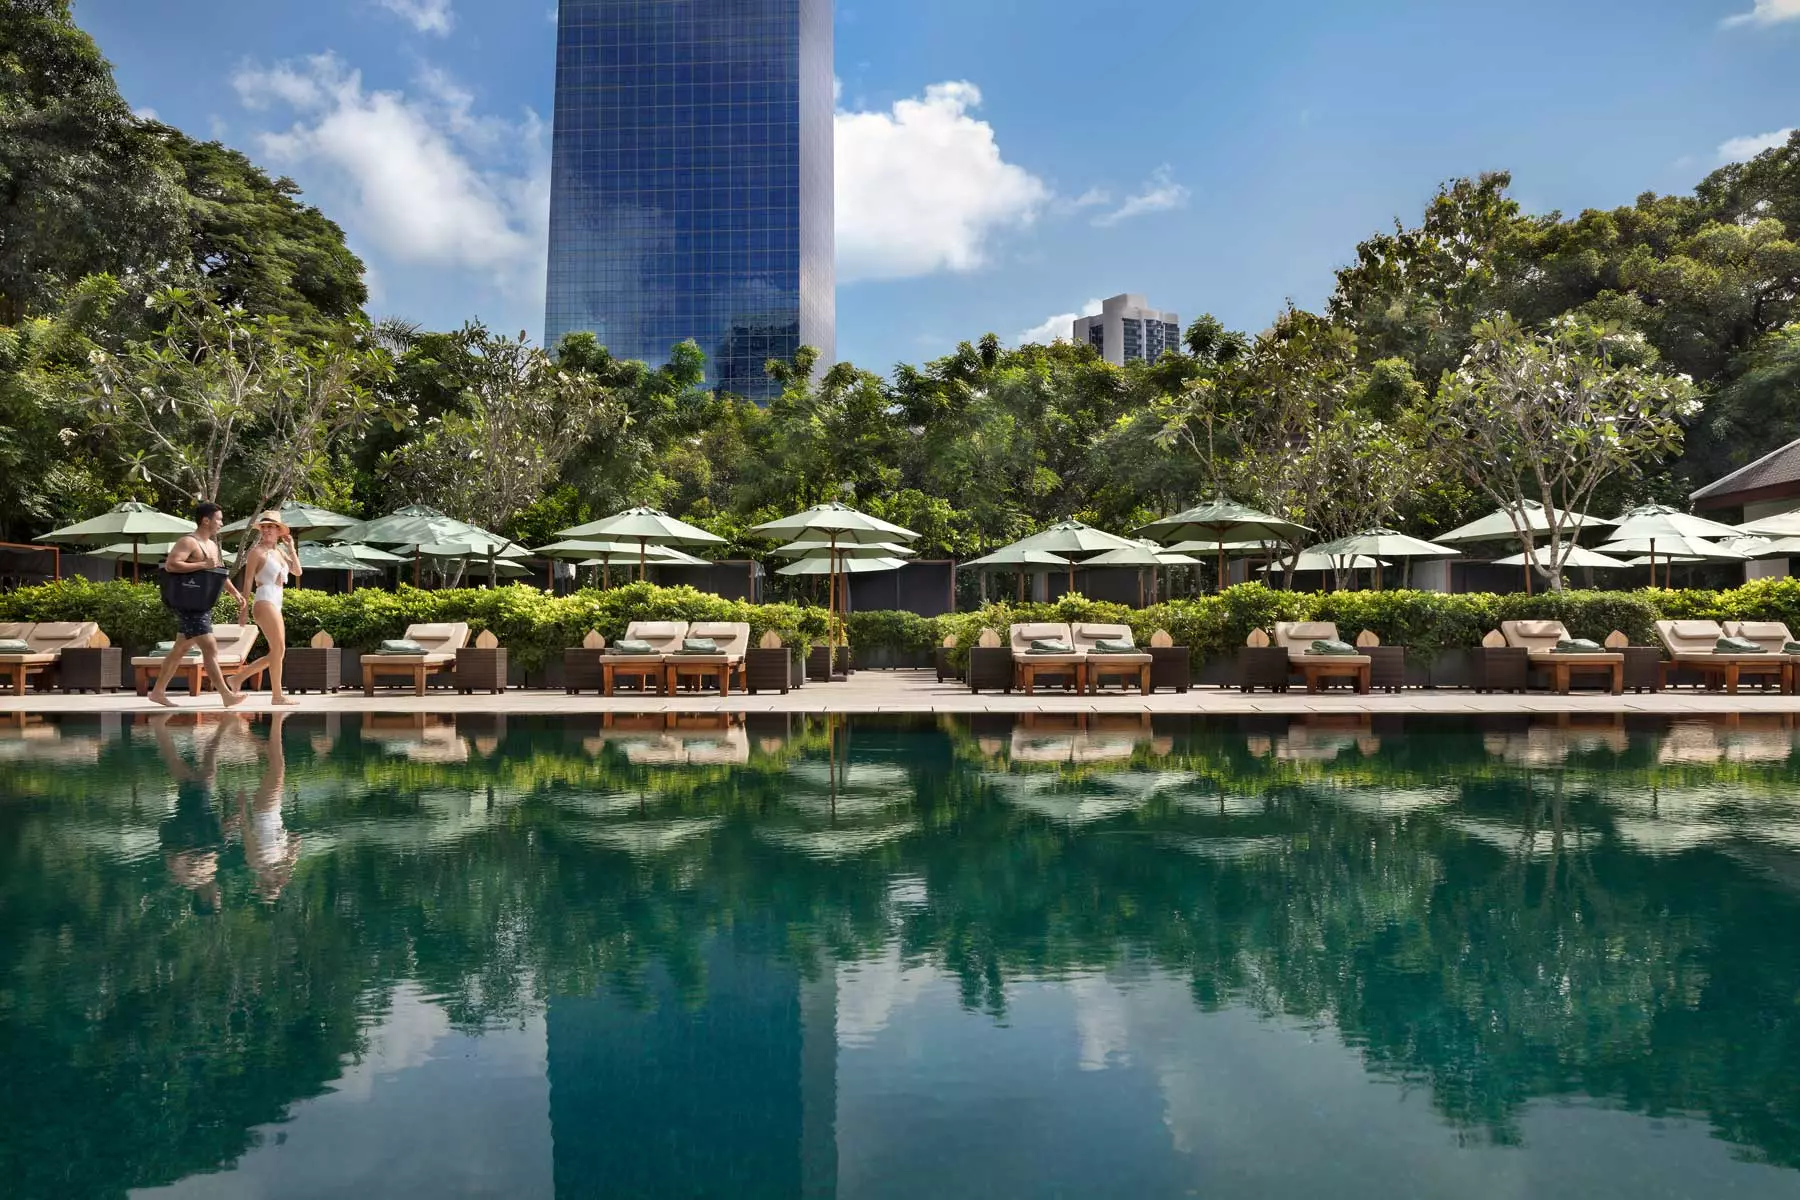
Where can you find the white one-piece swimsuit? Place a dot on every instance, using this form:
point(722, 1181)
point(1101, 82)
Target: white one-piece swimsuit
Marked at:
point(269, 579)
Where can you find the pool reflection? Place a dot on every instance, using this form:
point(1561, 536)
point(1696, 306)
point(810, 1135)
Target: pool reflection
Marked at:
point(789, 955)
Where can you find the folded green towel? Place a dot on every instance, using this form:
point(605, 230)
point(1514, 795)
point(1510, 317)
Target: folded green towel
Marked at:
point(14, 646)
point(699, 646)
point(1334, 648)
point(632, 646)
point(1051, 646)
point(1114, 646)
point(1578, 646)
point(401, 646)
point(162, 649)
point(1791, 648)
point(1732, 645)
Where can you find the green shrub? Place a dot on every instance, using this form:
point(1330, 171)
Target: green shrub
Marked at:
point(901, 632)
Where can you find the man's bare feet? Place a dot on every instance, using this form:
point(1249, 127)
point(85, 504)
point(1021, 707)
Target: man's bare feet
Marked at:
point(232, 699)
point(161, 698)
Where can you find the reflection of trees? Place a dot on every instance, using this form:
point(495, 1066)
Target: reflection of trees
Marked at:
point(1494, 928)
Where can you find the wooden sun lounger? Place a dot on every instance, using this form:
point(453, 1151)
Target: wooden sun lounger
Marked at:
point(47, 641)
point(1028, 666)
point(1539, 640)
point(1692, 645)
point(1101, 665)
point(1297, 637)
point(235, 643)
point(733, 639)
point(650, 670)
point(441, 642)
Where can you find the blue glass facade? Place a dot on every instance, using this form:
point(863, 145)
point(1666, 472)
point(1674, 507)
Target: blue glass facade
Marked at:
point(691, 181)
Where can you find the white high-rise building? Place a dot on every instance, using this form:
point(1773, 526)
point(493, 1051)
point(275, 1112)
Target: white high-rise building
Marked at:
point(1127, 328)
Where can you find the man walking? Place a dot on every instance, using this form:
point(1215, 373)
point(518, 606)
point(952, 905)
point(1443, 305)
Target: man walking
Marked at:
point(198, 551)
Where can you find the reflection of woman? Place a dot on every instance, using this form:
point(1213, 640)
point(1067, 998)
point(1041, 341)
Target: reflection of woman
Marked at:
point(272, 560)
point(269, 848)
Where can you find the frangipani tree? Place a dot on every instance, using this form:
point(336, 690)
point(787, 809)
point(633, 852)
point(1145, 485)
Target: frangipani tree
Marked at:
point(1547, 418)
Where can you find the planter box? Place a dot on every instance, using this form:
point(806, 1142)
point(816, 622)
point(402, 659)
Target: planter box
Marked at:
point(91, 670)
point(768, 670)
point(1263, 667)
point(990, 668)
point(1171, 667)
point(582, 670)
point(1387, 668)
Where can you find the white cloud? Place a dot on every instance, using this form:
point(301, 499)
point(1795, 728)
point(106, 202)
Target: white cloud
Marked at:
point(1741, 149)
point(1056, 328)
point(417, 180)
point(922, 187)
point(1092, 197)
point(1159, 194)
point(426, 16)
point(144, 114)
point(1767, 12)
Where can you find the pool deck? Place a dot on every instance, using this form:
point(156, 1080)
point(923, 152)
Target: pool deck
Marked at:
point(910, 691)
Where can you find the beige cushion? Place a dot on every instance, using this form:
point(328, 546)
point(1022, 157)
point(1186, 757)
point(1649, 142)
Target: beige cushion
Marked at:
point(1696, 629)
point(53, 637)
point(14, 631)
point(1039, 631)
point(1594, 658)
point(1689, 639)
point(732, 637)
point(651, 630)
point(443, 637)
point(1763, 631)
point(1297, 654)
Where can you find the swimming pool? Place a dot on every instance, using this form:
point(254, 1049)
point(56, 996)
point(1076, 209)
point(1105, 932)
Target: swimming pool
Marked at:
point(811, 956)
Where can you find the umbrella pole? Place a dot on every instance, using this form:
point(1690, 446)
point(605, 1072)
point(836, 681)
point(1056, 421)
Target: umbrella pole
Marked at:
point(134, 560)
point(1652, 562)
point(606, 574)
point(1021, 585)
point(418, 567)
point(1221, 562)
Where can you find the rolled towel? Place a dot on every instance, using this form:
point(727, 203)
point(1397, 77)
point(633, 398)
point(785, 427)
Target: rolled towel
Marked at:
point(401, 646)
point(1115, 646)
point(1791, 648)
point(699, 646)
point(1336, 649)
point(14, 646)
point(1738, 645)
point(1578, 646)
point(1051, 646)
point(162, 649)
point(632, 646)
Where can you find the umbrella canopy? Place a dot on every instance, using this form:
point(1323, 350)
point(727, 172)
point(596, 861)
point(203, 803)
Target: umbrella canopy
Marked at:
point(1310, 561)
point(597, 549)
point(1145, 554)
point(152, 551)
point(1783, 547)
point(826, 550)
point(1577, 556)
point(314, 557)
point(662, 556)
point(502, 568)
point(300, 519)
point(1383, 543)
point(1658, 522)
point(842, 566)
point(1752, 546)
point(1009, 556)
point(366, 554)
point(1222, 520)
point(471, 547)
point(130, 523)
point(643, 527)
point(411, 526)
point(1780, 525)
point(1074, 539)
point(837, 523)
point(1674, 545)
point(1498, 525)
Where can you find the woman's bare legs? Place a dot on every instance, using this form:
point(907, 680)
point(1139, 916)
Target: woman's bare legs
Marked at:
point(274, 631)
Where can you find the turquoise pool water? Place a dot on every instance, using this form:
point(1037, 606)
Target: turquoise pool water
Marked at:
point(416, 957)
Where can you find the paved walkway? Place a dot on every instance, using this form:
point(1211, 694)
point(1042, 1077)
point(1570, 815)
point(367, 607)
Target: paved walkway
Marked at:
point(920, 692)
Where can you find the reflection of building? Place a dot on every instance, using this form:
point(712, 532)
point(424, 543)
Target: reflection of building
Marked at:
point(691, 181)
point(1127, 329)
point(723, 1087)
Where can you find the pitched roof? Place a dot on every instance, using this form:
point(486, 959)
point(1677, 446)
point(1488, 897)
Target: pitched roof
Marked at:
point(1779, 469)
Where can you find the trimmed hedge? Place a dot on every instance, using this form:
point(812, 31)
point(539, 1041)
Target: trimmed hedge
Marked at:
point(537, 627)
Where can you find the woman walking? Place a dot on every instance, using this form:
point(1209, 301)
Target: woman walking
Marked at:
point(272, 560)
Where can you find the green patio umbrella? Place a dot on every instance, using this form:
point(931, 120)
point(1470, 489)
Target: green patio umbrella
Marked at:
point(588, 552)
point(842, 566)
point(1578, 556)
point(1503, 525)
point(1777, 525)
point(1073, 540)
point(367, 554)
point(1311, 560)
point(316, 557)
point(1383, 544)
point(826, 550)
point(837, 525)
point(413, 526)
point(1654, 529)
point(151, 550)
point(1146, 554)
point(645, 526)
point(300, 519)
point(1671, 548)
point(130, 523)
point(1022, 560)
point(1220, 521)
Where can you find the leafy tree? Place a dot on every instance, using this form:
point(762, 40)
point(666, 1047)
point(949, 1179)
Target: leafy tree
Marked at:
point(84, 187)
point(1547, 418)
point(256, 246)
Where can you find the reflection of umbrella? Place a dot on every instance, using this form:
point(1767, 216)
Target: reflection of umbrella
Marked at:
point(1578, 556)
point(300, 519)
point(645, 526)
point(1655, 529)
point(1222, 521)
point(131, 523)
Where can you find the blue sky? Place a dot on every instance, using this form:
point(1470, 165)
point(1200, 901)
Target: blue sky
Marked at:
point(1001, 162)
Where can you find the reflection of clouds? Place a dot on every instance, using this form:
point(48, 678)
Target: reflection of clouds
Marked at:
point(870, 990)
point(1224, 849)
point(1101, 1022)
point(645, 839)
point(401, 1040)
point(1516, 840)
point(862, 789)
point(1082, 799)
point(831, 844)
point(1387, 801)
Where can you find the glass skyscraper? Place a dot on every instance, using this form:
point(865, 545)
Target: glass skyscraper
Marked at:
point(691, 181)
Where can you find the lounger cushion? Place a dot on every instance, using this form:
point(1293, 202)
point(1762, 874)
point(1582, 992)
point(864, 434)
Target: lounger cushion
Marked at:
point(657, 629)
point(1690, 630)
point(1304, 632)
point(15, 630)
point(1542, 629)
point(163, 649)
point(1762, 631)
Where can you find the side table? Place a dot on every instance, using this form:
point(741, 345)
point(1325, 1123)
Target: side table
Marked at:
point(1643, 668)
point(1171, 667)
point(99, 669)
point(1387, 667)
point(313, 669)
point(1263, 667)
point(479, 669)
